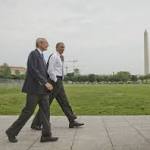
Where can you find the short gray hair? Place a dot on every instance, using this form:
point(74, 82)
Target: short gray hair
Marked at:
point(40, 40)
point(59, 43)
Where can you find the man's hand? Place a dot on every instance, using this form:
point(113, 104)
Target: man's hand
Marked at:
point(49, 86)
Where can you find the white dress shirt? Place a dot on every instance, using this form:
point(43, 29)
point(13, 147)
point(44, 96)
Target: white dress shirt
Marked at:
point(55, 66)
point(39, 51)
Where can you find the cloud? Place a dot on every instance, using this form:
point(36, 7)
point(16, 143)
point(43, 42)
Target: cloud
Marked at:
point(110, 33)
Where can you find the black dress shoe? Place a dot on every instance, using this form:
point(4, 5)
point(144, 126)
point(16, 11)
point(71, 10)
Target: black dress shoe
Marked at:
point(36, 128)
point(75, 124)
point(11, 138)
point(74, 117)
point(48, 139)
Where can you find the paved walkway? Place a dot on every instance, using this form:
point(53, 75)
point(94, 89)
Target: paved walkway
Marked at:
point(99, 133)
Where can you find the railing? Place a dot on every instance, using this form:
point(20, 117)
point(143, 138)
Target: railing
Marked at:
point(11, 82)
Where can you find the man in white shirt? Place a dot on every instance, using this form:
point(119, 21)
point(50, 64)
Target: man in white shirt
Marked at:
point(55, 69)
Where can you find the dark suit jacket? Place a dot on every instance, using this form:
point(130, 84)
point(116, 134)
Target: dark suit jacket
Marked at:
point(36, 75)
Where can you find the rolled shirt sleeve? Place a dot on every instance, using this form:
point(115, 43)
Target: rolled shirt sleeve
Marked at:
point(51, 69)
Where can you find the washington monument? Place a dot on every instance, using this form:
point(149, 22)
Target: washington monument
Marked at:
point(146, 53)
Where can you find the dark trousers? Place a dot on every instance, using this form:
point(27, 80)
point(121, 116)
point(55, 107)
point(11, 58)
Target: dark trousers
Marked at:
point(31, 103)
point(61, 97)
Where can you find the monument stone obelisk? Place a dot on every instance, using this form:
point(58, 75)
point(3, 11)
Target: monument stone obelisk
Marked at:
point(146, 53)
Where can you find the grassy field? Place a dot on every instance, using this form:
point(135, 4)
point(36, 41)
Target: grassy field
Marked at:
point(88, 100)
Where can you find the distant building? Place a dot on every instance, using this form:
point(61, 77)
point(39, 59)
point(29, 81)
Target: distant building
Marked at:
point(17, 70)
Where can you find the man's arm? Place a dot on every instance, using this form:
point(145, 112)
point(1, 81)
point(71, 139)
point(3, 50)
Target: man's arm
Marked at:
point(50, 69)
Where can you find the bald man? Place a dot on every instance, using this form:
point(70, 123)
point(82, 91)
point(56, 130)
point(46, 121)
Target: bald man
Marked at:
point(37, 89)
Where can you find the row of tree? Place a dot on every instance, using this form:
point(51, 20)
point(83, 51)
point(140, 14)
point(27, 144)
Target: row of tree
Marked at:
point(122, 77)
point(75, 76)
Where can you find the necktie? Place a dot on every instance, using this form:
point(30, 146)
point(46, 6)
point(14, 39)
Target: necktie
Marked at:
point(62, 60)
point(43, 58)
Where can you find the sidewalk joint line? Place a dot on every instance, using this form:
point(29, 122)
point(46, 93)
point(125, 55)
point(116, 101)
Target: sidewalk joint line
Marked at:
point(138, 131)
point(104, 124)
point(32, 144)
point(73, 140)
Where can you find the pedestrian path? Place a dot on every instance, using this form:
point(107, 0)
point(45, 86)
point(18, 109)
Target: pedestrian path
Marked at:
point(99, 133)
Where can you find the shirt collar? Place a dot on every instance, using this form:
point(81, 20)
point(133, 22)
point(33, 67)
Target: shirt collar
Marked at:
point(39, 51)
point(58, 53)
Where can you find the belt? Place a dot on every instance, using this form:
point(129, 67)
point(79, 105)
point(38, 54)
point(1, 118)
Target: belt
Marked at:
point(59, 77)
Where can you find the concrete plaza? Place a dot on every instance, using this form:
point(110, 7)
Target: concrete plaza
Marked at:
point(99, 133)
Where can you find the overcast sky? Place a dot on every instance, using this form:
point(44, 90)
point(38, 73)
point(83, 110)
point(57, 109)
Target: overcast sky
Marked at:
point(105, 36)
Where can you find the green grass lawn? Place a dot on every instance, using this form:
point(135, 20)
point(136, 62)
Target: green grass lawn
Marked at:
point(88, 100)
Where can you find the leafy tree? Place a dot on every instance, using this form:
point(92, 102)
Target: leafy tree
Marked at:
point(123, 76)
point(83, 78)
point(76, 72)
point(134, 78)
point(5, 71)
point(70, 76)
point(91, 77)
